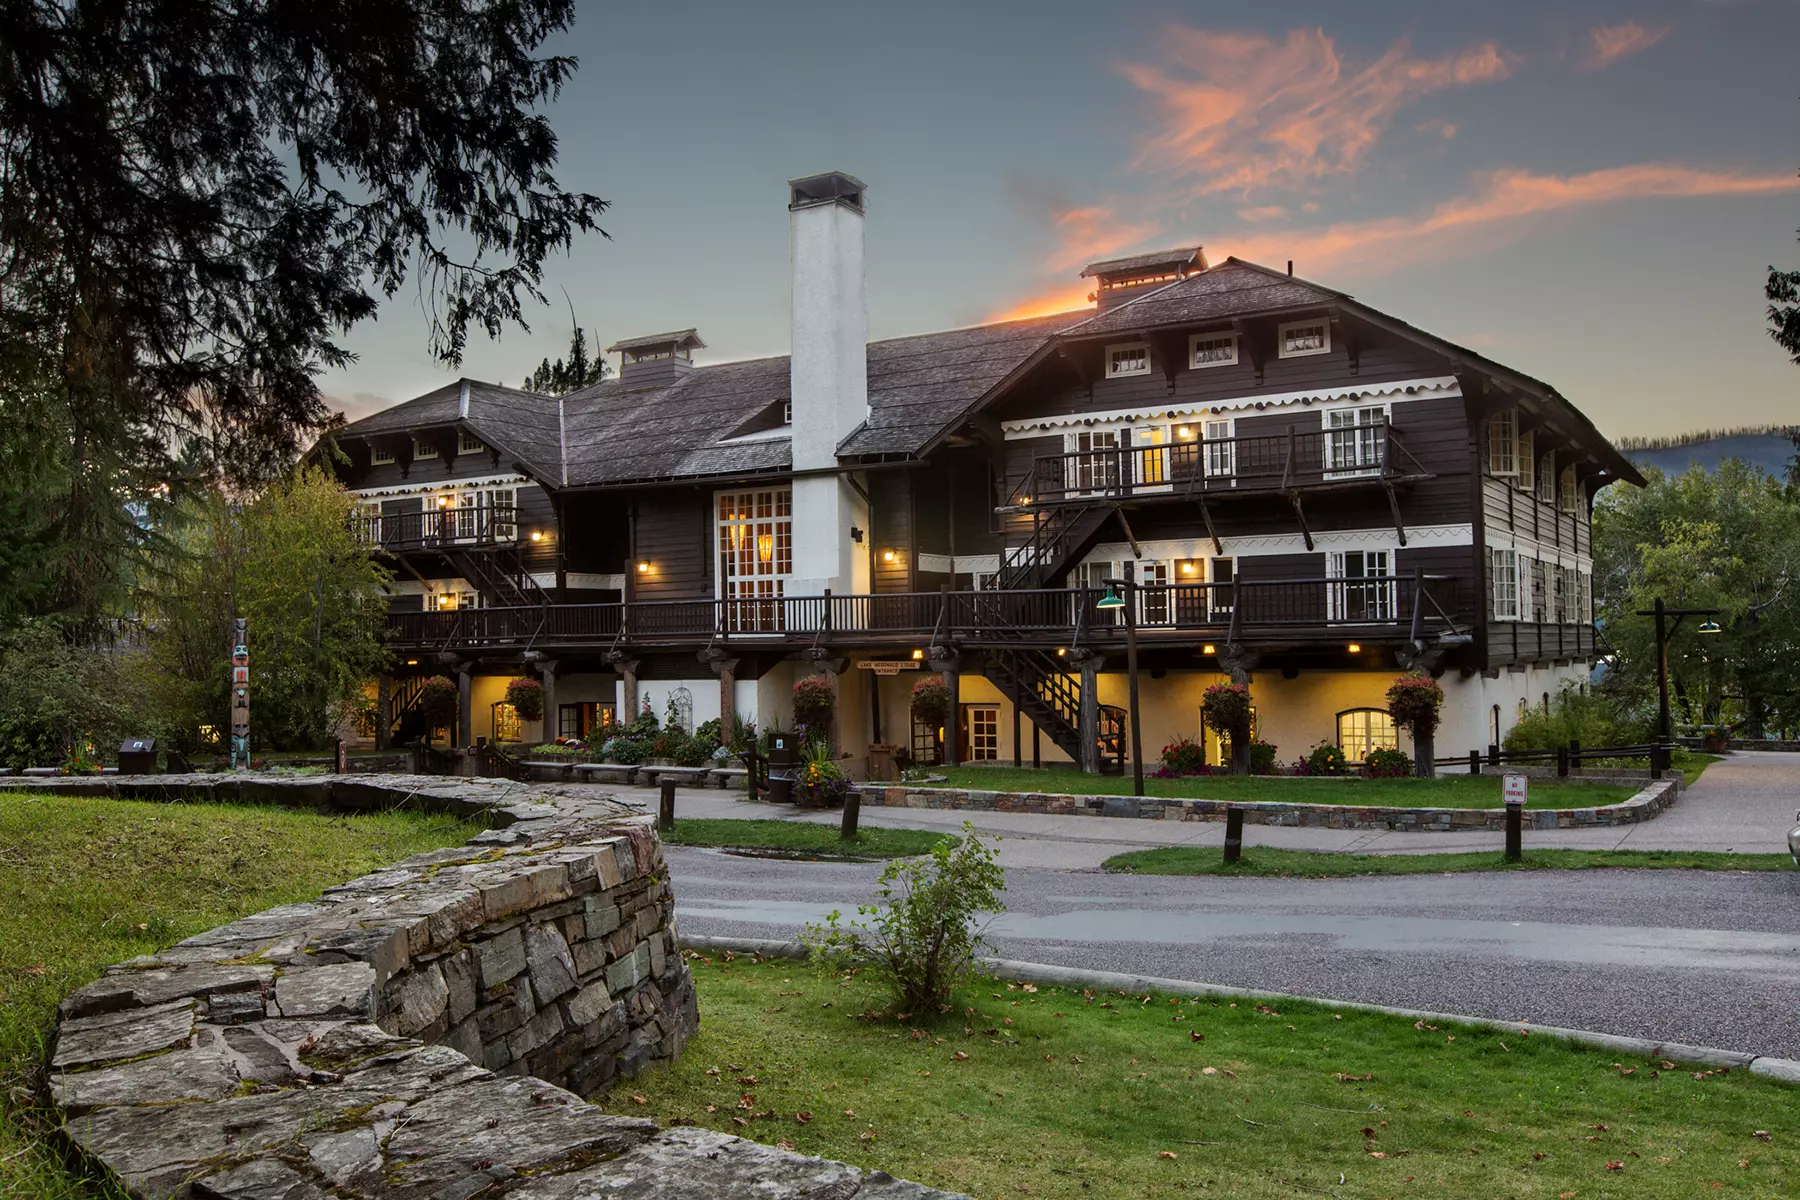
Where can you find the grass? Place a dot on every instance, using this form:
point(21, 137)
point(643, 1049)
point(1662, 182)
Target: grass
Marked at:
point(86, 882)
point(1455, 791)
point(803, 837)
point(1313, 864)
point(1107, 1097)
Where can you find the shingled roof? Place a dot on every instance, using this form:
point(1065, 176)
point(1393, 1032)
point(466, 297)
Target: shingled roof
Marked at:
point(510, 419)
point(1231, 289)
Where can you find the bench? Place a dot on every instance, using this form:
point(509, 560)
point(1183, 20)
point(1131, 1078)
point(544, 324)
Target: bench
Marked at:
point(607, 772)
point(731, 777)
point(651, 776)
point(41, 770)
point(548, 771)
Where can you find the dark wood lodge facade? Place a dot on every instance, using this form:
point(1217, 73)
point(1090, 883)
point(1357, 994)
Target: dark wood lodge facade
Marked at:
point(1302, 491)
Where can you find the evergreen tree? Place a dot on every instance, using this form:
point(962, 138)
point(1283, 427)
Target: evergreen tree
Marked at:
point(562, 377)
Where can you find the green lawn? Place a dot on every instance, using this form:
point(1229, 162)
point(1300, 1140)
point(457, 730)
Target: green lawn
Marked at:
point(89, 882)
point(803, 837)
point(1266, 860)
point(1455, 791)
point(1054, 1093)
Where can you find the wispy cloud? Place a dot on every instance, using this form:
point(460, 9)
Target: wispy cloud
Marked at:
point(1095, 232)
point(1609, 43)
point(1238, 112)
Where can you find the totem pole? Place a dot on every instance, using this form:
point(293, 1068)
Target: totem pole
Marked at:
point(240, 694)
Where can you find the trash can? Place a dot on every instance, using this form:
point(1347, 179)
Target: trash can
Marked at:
point(137, 756)
point(881, 761)
point(781, 768)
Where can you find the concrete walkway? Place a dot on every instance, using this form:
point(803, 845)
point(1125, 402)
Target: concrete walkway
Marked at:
point(1745, 803)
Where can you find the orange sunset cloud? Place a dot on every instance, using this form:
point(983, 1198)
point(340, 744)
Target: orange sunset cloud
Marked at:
point(1610, 43)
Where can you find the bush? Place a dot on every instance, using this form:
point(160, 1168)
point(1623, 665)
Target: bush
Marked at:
point(1262, 758)
point(694, 752)
point(931, 702)
point(1326, 759)
point(645, 726)
point(668, 742)
point(1184, 756)
point(628, 751)
point(437, 702)
point(1387, 764)
point(58, 699)
point(527, 698)
point(815, 700)
point(1589, 718)
point(923, 933)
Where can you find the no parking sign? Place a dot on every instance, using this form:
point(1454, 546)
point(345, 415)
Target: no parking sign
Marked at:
point(1514, 789)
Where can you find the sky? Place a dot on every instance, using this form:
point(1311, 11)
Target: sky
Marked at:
point(1590, 193)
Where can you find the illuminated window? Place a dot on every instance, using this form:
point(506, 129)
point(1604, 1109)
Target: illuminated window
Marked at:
point(756, 552)
point(1212, 350)
point(1362, 731)
point(1127, 358)
point(1301, 338)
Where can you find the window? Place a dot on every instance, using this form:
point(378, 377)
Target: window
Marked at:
point(1222, 591)
point(1355, 441)
point(424, 449)
point(983, 725)
point(1094, 465)
point(1524, 462)
point(1494, 727)
point(756, 554)
point(1301, 338)
point(787, 412)
point(1503, 443)
point(1559, 594)
point(1358, 602)
point(1503, 582)
point(1221, 450)
point(506, 722)
point(1569, 492)
point(468, 443)
point(1127, 358)
point(1584, 597)
point(575, 721)
point(1362, 731)
point(1546, 477)
point(1150, 458)
point(1538, 600)
point(1153, 593)
point(381, 455)
point(1212, 350)
point(451, 601)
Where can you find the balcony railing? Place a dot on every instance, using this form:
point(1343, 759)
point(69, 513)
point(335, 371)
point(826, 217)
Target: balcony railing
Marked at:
point(465, 525)
point(1262, 462)
point(1295, 610)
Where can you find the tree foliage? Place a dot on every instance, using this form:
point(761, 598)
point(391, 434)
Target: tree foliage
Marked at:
point(1728, 540)
point(197, 200)
point(58, 697)
point(562, 377)
point(289, 563)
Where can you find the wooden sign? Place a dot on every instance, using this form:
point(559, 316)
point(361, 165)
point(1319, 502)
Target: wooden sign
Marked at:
point(889, 666)
point(240, 694)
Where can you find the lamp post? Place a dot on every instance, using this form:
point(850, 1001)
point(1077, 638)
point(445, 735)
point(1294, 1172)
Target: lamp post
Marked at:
point(1665, 631)
point(1112, 600)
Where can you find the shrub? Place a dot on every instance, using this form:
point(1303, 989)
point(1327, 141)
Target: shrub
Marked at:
point(921, 936)
point(1326, 759)
point(628, 751)
point(1387, 764)
point(1262, 758)
point(708, 731)
point(645, 725)
point(694, 752)
point(668, 742)
point(57, 697)
point(815, 700)
point(1184, 756)
point(437, 702)
point(931, 702)
point(1589, 718)
point(527, 698)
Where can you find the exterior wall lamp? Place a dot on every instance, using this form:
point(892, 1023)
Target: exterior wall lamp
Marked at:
point(888, 556)
point(643, 568)
point(1355, 648)
point(1209, 648)
point(537, 535)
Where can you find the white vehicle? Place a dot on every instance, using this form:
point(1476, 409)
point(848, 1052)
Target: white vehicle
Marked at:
point(1794, 840)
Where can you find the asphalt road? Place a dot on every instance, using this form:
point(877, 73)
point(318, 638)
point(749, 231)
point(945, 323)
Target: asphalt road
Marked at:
point(1711, 958)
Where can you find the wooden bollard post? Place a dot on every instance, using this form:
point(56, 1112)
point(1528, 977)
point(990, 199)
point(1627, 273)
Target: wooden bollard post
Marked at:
point(1234, 834)
point(852, 814)
point(1474, 762)
point(665, 810)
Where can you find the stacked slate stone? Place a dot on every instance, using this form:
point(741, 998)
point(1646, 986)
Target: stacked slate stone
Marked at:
point(405, 1035)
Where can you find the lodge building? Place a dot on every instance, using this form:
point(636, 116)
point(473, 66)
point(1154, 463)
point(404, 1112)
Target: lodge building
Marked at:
point(1292, 490)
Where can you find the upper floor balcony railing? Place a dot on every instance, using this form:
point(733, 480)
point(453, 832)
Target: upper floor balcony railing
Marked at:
point(1218, 466)
point(468, 525)
point(1295, 611)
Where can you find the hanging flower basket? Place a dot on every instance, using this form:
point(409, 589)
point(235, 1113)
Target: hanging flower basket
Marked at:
point(437, 702)
point(931, 702)
point(527, 698)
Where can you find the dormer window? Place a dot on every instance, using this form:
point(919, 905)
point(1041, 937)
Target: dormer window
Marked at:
point(1301, 338)
point(424, 449)
point(468, 443)
point(381, 456)
point(1127, 358)
point(787, 412)
point(1212, 350)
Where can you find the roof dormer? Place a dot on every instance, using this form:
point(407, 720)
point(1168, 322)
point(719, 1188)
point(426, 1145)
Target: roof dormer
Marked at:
point(1122, 279)
point(657, 359)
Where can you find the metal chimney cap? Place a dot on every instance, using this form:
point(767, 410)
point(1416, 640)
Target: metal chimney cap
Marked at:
point(833, 187)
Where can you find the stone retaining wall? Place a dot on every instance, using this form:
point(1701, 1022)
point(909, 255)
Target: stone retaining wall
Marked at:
point(1647, 804)
point(415, 1033)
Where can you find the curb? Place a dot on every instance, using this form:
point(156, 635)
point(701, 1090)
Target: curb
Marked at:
point(1785, 1069)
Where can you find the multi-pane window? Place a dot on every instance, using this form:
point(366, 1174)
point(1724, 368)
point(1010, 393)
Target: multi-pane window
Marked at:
point(481, 514)
point(1221, 450)
point(984, 732)
point(1536, 597)
point(756, 543)
point(506, 723)
point(1584, 603)
point(381, 455)
point(1360, 591)
point(1503, 443)
point(1150, 462)
point(1546, 477)
point(1128, 358)
point(1153, 593)
point(1362, 731)
point(1213, 349)
point(1525, 461)
point(1300, 338)
point(424, 449)
point(1559, 578)
point(1094, 466)
point(468, 443)
point(1503, 581)
point(1355, 439)
point(1569, 493)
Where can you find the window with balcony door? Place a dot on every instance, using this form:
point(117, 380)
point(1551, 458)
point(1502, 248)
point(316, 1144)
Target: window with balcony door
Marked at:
point(482, 514)
point(1355, 441)
point(1359, 593)
point(1093, 465)
point(1362, 731)
point(1221, 449)
point(1154, 607)
point(756, 553)
point(1150, 457)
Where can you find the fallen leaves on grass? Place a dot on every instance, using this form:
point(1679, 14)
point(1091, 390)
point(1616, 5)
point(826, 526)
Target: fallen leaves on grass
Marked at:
point(1165, 1154)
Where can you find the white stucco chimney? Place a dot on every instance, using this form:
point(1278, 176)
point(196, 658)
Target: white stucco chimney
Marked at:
point(828, 375)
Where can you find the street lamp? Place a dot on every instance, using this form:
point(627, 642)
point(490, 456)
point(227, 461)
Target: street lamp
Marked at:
point(1112, 600)
point(1665, 631)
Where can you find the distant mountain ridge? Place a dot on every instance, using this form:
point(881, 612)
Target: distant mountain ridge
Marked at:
point(1770, 447)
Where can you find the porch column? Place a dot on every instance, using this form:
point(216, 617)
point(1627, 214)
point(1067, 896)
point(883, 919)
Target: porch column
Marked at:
point(551, 724)
point(628, 691)
point(384, 710)
point(1089, 662)
point(465, 715)
point(726, 670)
point(949, 665)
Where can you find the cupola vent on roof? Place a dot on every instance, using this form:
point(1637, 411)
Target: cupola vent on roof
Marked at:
point(657, 359)
point(1122, 279)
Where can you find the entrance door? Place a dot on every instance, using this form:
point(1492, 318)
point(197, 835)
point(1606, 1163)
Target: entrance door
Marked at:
point(756, 556)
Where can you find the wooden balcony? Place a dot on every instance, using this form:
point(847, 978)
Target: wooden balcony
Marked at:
point(466, 527)
point(1310, 460)
point(1293, 612)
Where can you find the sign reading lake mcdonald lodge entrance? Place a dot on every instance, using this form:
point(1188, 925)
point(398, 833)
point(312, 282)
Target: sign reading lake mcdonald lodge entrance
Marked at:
point(889, 666)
